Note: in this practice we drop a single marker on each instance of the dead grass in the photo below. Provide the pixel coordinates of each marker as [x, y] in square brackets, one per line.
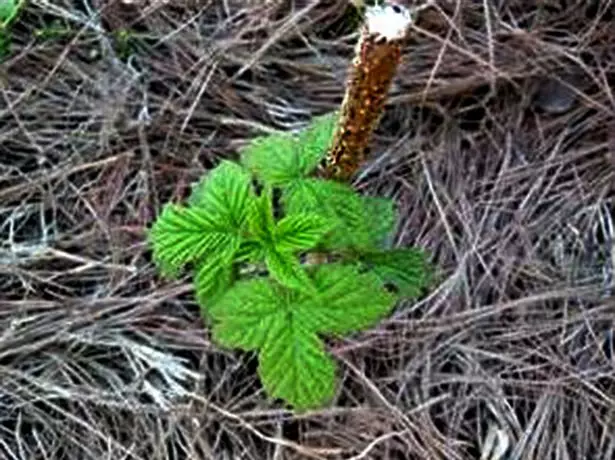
[504, 175]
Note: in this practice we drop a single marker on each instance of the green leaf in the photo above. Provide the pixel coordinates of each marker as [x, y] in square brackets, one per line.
[315, 140]
[380, 213]
[181, 235]
[283, 326]
[360, 222]
[213, 277]
[282, 158]
[347, 301]
[260, 218]
[275, 243]
[250, 250]
[296, 368]
[5, 42]
[260, 315]
[227, 193]
[407, 269]
[248, 312]
[287, 270]
[8, 10]
[336, 202]
[300, 232]
[274, 159]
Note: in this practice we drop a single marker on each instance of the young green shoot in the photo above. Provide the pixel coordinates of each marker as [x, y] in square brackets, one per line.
[247, 250]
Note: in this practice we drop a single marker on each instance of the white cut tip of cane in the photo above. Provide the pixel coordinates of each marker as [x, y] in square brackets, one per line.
[390, 22]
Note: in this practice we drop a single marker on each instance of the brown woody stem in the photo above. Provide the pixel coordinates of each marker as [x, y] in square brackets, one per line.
[377, 57]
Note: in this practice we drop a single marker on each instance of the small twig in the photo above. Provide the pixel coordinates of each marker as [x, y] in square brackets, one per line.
[311, 452]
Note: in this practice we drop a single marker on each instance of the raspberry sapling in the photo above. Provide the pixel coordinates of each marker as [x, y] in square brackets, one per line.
[247, 251]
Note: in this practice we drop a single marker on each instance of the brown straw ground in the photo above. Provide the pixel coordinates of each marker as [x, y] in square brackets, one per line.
[497, 143]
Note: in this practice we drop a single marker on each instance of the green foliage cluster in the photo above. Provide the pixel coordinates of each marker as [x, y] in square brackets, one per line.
[9, 10]
[246, 230]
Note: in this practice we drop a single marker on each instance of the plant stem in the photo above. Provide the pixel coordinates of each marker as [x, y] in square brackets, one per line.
[377, 57]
